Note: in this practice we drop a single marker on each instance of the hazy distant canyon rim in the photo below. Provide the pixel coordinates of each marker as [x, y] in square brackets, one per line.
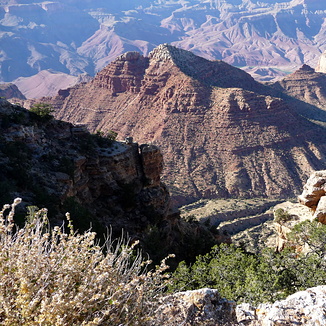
[267, 38]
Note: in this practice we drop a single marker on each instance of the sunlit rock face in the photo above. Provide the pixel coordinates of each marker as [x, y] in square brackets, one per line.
[221, 133]
[321, 67]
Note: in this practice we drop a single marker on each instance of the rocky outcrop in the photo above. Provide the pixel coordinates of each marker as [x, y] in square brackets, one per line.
[9, 91]
[302, 308]
[220, 134]
[199, 307]
[313, 190]
[313, 195]
[206, 307]
[286, 216]
[118, 184]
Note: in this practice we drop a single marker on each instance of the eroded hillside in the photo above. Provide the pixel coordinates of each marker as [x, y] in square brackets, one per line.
[220, 132]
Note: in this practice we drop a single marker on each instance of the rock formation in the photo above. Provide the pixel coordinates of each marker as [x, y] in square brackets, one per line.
[220, 134]
[206, 307]
[9, 90]
[306, 85]
[302, 308]
[199, 307]
[313, 195]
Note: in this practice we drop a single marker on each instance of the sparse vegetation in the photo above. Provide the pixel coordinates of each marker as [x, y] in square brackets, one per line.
[42, 110]
[281, 216]
[57, 277]
[256, 278]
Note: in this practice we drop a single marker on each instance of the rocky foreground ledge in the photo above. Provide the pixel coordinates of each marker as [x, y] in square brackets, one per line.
[206, 307]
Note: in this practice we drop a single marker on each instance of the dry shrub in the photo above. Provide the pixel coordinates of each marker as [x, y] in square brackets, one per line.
[49, 277]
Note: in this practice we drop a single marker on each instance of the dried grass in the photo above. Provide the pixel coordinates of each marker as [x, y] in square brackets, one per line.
[50, 277]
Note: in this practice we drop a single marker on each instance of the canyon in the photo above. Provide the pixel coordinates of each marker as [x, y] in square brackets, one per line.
[267, 38]
[222, 134]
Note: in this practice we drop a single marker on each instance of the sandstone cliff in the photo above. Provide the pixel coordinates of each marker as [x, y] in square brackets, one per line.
[220, 134]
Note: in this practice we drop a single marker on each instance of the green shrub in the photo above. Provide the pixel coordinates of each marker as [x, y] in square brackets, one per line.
[281, 216]
[246, 277]
[104, 139]
[42, 110]
[312, 234]
[53, 277]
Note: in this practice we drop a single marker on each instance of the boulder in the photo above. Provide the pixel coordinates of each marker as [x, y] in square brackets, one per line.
[302, 308]
[206, 307]
[314, 189]
[198, 307]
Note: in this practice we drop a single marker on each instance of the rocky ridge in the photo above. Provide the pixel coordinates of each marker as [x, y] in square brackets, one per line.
[219, 131]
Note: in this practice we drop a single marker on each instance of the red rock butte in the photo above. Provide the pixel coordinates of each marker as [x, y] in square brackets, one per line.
[220, 132]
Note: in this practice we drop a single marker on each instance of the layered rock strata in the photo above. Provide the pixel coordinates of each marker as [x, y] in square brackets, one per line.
[306, 86]
[117, 183]
[220, 134]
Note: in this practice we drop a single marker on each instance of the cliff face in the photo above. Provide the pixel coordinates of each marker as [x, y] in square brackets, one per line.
[62, 167]
[219, 132]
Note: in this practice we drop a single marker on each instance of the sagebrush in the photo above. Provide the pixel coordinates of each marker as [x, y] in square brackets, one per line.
[57, 277]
